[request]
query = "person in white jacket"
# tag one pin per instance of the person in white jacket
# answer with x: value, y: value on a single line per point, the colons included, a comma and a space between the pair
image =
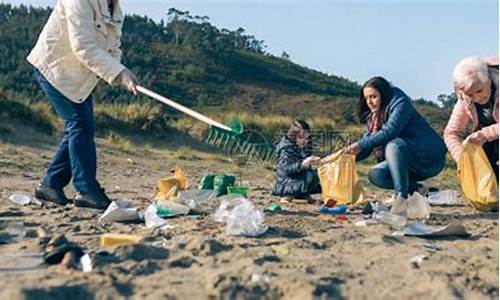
x: 78, y: 46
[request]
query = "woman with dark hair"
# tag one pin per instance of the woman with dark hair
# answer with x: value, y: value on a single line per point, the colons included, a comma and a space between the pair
x: 295, y: 177
x: 407, y: 149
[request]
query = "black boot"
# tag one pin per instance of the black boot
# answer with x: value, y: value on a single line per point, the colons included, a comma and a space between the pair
x: 46, y: 193
x: 97, y: 200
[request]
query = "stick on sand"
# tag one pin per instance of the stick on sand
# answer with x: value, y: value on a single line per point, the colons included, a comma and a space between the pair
x: 182, y: 108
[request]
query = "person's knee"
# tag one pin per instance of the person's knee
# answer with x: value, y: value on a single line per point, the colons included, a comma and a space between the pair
x: 376, y: 176
x: 79, y: 127
x: 395, y: 147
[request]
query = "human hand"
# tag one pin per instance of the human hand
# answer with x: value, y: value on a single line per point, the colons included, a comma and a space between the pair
x: 476, y: 138
x: 308, y: 161
x: 352, y: 149
x: 128, y: 80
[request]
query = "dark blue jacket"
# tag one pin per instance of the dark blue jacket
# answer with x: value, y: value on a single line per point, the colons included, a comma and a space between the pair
x: 291, y: 176
x: 403, y: 121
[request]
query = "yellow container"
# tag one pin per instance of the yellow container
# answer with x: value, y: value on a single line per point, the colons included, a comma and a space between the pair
x: 169, y: 186
x: 112, y: 239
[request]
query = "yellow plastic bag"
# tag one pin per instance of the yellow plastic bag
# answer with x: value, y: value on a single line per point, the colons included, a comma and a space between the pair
x: 338, y: 179
x: 170, y: 186
x: 479, y: 184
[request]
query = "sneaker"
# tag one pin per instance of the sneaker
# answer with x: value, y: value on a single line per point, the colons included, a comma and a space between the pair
x: 46, y: 193
x: 98, y: 200
x: 399, y: 206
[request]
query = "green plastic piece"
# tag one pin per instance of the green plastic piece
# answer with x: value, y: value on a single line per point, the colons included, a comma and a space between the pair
x: 221, y: 182
x: 240, y: 190
x: 207, y: 182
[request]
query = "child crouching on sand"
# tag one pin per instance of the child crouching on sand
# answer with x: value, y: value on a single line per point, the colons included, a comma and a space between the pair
x: 295, y: 177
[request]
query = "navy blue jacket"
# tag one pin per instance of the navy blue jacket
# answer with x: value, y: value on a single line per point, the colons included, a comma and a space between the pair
x: 291, y: 176
x: 403, y: 121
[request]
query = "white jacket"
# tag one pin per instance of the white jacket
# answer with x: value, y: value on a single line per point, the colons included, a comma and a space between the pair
x: 79, y: 44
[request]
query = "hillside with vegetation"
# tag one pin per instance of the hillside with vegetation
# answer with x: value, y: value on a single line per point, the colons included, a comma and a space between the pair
x: 216, y: 71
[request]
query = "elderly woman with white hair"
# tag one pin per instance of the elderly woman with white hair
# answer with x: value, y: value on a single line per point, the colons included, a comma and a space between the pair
x: 476, y: 85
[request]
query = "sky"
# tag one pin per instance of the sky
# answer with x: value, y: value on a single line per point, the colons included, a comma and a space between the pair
x: 414, y: 44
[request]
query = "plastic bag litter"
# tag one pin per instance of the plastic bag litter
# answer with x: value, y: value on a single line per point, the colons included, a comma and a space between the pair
x: 171, y: 209
x: 20, y: 199
x: 423, y: 230
x: 152, y: 219
x: 445, y: 197
x: 338, y: 178
x: 241, y: 217
x: 169, y: 186
x: 199, y: 201
x: 479, y: 184
x: 86, y: 263
x: 119, y: 211
x: 418, y: 208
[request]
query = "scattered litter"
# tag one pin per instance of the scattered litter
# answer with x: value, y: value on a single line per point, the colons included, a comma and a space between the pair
x: 199, y: 201
x: 418, y: 208
x: 417, y: 260
x: 259, y: 278
x: 165, y: 209
x: 86, y: 263
x: 446, y: 197
x: 169, y: 186
x: 431, y: 247
x: 241, y: 217
x: 281, y: 250
x: 368, y: 209
x: 366, y: 222
x: 20, y: 199
x: 221, y: 182
x: 151, y: 217
x: 300, y: 201
x: 131, y: 161
x: 330, y: 203
x: 112, y: 239
x: 238, y: 190
x: 390, y: 219
x: 274, y: 207
x: 422, y: 230
x: 119, y: 211
x: 341, y: 218
x: 207, y: 182
x: 339, y: 209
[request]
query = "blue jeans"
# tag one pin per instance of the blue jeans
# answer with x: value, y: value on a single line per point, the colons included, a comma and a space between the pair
x: 400, y: 171
x: 76, y: 155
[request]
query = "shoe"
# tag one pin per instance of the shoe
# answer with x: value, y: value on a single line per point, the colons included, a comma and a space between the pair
x: 98, y: 200
x: 399, y: 206
x: 46, y: 193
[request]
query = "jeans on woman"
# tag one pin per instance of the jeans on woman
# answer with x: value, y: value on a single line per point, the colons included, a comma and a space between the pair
x: 76, y: 154
x: 400, y: 171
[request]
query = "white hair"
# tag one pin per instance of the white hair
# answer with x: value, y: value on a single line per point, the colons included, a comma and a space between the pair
x: 468, y: 71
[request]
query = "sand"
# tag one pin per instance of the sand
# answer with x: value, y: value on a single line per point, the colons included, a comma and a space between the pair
x: 304, y: 255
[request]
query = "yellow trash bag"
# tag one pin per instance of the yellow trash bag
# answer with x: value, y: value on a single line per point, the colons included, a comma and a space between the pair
x: 479, y: 184
x: 170, y: 186
x: 338, y: 179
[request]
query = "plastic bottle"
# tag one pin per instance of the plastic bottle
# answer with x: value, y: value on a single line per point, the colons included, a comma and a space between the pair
x: 446, y: 197
x: 390, y: 219
x: 339, y: 209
